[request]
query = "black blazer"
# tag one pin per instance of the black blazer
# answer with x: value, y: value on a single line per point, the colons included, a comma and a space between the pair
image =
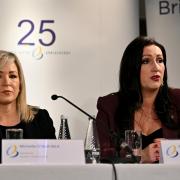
x: 41, y: 127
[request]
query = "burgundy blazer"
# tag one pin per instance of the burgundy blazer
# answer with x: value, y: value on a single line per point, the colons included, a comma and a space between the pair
x: 105, y: 120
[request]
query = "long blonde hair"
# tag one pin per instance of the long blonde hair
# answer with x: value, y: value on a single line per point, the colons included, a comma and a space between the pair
x: 26, y: 111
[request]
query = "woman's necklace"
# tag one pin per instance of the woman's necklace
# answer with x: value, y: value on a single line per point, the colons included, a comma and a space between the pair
x: 144, y: 119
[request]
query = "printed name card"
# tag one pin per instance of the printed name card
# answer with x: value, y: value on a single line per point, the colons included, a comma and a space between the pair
x: 170, y: 152
x: 30, y: 151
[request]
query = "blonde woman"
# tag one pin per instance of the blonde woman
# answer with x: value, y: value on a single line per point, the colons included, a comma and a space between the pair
x: 14, y: 111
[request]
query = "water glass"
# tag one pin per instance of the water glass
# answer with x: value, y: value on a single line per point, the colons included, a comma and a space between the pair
x: 133, y: 139
x: 14, y: 133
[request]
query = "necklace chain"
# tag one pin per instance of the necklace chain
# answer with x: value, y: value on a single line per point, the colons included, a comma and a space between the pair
x: 142, y: 117
x: 148, y: 115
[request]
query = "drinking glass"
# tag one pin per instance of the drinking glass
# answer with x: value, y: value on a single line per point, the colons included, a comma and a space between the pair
x: 14, y: 133
x: 133, y: 139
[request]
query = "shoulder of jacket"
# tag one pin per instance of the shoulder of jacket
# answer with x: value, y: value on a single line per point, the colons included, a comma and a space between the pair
x: 174, y: 94
x: 174, y: 91
x: 109, y: 98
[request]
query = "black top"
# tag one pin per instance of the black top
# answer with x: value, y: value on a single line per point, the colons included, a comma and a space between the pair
x: 41, y: 127
x: 3, y: 129
x: 146, y: 140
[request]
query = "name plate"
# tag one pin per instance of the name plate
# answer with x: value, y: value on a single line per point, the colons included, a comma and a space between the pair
x: 28, y: 151
x: 170, y: 152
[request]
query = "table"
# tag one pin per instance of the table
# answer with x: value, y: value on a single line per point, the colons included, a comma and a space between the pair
x: 148, y: 171
x: 90, y: 172
x: 56, y: 172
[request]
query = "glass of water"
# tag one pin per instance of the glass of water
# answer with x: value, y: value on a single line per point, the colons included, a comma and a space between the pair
x: 133, y: 139
x: 14, y: 133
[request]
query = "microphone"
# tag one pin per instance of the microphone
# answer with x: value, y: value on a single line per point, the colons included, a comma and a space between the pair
x: 55, y: 97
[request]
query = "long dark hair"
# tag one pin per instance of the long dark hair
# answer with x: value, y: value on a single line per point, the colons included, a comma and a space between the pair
x: 130, y: 94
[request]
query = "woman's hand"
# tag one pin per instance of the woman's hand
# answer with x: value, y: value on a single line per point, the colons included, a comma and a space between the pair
x: 151, y: 153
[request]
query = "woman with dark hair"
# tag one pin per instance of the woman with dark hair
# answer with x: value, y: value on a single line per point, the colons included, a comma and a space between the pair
x: 144, y: 102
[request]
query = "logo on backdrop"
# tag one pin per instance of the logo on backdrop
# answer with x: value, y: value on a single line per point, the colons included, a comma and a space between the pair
x: 38, y: 44
x: 12, y: 151
x: 37, y: 53
x: 172, y: 151
x: 168, y: 7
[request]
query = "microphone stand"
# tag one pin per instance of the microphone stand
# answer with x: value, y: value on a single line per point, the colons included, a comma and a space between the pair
x: 92, y: 147
x: 54, y: 97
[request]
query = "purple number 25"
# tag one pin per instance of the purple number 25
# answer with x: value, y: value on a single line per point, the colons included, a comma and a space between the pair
x: 42, y: 30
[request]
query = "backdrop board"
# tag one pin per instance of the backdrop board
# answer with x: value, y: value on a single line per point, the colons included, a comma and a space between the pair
x: 70, y: 48
x: 164, y: 25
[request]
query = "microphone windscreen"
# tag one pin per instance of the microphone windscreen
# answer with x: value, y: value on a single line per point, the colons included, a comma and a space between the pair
x: 54, y: 97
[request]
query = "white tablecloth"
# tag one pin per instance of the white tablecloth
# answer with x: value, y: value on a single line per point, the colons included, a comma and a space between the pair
x: 90, y: 172
x: 55, y: 172
x: 148, y: 171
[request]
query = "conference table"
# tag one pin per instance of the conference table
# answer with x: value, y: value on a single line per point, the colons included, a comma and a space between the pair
x: 90, y: 172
